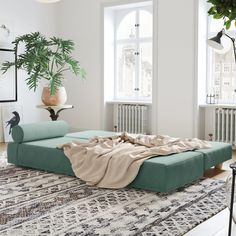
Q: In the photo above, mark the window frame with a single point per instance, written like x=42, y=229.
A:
x=209, y=57
x=120, y=14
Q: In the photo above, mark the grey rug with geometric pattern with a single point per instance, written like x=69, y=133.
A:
x=39, y=203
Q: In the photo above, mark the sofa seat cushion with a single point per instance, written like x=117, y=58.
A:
x=165, y=173
x=44, y=158
x=53, y=142
x=88, y=134
x=42, y=155
x=219, y=153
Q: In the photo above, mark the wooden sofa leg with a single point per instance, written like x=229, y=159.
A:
x=219, y=166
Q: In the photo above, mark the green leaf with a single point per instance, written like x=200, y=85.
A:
x=218, y=16
x=225, y=9
x=212, y=11
x=45, y=59
x=227, y=24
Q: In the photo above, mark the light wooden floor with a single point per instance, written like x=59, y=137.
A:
x=3, y=147
x=224, y=173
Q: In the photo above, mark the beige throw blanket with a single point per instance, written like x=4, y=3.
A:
x=114, y=162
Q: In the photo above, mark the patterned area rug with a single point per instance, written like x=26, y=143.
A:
x=38, y=203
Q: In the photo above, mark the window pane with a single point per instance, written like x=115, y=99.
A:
x=145, y=19
x=222, y=76
x=215, y=25
x=221, y=64
x=126, y=29
x=218, y=25
x=125, y=70
x=145, y=82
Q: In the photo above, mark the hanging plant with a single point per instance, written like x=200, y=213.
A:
x=223, y=9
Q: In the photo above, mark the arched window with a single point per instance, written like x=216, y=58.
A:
x=133, y=53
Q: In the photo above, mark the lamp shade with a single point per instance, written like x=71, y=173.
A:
x=47, y=1
x=215, y=42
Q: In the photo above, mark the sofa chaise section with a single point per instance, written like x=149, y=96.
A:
x=216, y=155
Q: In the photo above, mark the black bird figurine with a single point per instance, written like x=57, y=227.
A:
x=13, y=121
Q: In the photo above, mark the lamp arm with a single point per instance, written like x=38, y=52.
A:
x=233, y=41
x=234, y=50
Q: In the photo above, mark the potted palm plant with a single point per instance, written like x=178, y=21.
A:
x=46, y=59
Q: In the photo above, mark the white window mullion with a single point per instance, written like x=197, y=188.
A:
x=137, y=57
x=115, y=56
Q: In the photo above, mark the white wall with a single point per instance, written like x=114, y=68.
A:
x=175, y=64
x=202, y=65
x=81, y=21
x=176, y=67
x=26, y=16
x=174, y=103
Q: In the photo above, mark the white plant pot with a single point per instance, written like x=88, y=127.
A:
x=58, y=99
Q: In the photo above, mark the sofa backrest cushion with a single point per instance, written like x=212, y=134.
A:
x=41, y=130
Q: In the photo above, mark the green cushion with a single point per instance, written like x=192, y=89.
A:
x=12, y=154
x=44, y=155
x=53, y=142
x=40, y=130
x=88, y=134
x=219, y=153
x=165, y=173
x=44, y=158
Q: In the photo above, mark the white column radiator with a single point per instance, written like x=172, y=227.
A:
x=225, y=124
x=130, y=118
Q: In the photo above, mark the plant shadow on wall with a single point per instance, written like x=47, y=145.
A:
x=46, y=59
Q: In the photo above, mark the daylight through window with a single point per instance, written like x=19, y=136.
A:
x=221, y=65
x=133, y=53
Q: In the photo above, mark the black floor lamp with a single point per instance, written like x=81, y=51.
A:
x=215, y=43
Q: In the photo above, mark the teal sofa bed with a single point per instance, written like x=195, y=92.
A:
x=35, y=146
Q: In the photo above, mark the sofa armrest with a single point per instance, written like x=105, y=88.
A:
x=12, y=153
x=41, y=130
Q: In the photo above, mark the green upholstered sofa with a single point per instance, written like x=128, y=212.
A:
x=35, y=145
